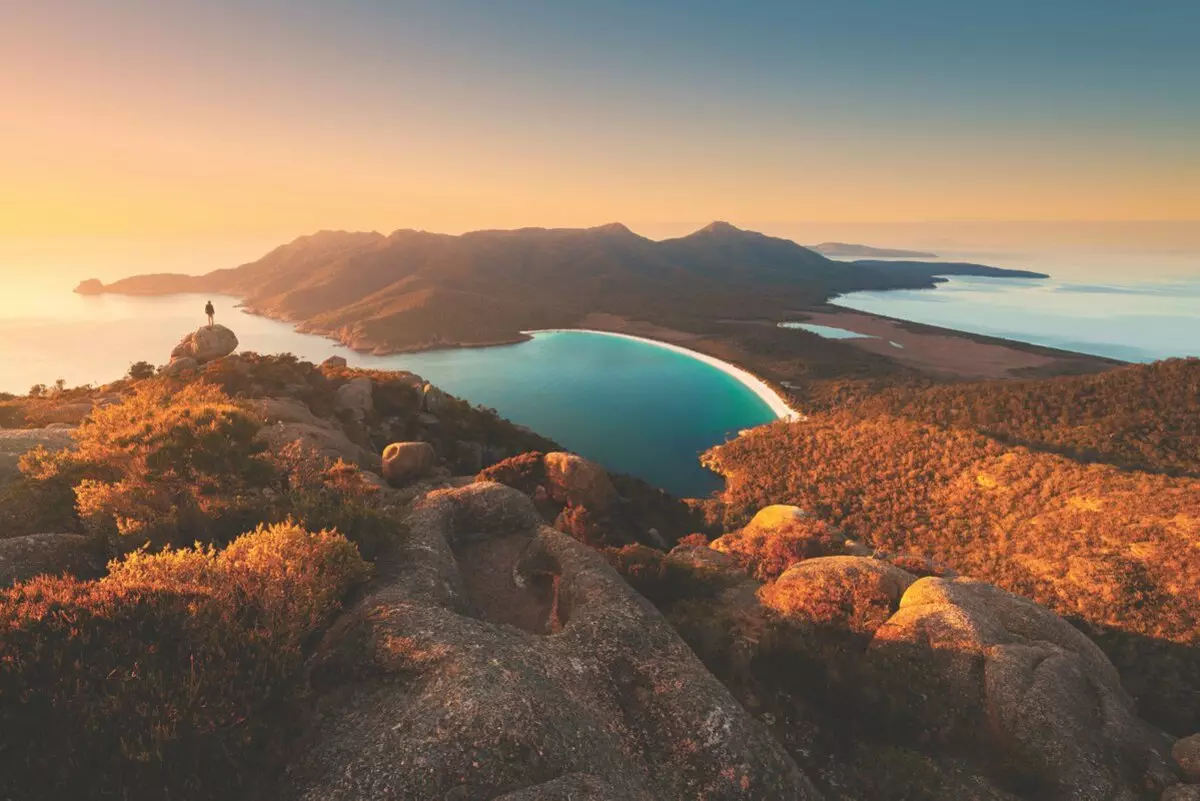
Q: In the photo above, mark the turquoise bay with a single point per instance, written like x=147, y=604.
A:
x=633, y=406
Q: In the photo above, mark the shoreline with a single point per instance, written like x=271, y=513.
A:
x=758, y=386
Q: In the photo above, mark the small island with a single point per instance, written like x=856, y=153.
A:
x=92, y=286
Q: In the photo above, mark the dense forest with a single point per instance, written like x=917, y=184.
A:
x=1111, y=548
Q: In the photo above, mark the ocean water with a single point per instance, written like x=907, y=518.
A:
x=1135, y=308
x=827, y=331
x=632, y=406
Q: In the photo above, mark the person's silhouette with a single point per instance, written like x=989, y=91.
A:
x=211, y=312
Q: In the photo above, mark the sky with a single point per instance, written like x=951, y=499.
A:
x=256, y=121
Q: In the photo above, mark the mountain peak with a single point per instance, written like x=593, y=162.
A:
x=720, y=227
x=612, y=228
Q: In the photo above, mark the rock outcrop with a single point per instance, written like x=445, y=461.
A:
x=206, y=344
x=405, y=462
x=356, y=397
x=855, y=593
x=22, y=558
x=1186, y=753
x=578, y=481
x=975, y=663
x=334, y=362
x=180, y=365
x=498, y=658
x=290, y=420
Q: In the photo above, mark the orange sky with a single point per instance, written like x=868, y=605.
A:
x=130, y=120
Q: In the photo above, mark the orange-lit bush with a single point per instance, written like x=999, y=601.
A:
x=766, y=553
x=162, y=679
x=324, y=494
x=164, y=466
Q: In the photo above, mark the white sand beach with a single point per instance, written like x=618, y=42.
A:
x=755, y=384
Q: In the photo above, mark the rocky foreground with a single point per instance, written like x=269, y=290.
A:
x=536, y=628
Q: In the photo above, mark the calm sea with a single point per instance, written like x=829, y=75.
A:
x=1135, y=307
x=632, y=406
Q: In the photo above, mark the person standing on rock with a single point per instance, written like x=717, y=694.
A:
x=211, y=312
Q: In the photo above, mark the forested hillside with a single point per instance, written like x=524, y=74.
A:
x=1143, y=417
x=1112, y=548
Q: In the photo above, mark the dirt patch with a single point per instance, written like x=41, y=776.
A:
x=487, y=568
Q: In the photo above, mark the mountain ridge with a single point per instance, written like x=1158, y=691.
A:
x=413, y=290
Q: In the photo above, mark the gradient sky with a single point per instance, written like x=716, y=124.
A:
x=264, y=120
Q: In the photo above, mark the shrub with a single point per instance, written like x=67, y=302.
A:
x=525, y=472
x=324, y=494
x=766, y=552
x=165, y=466
x=664, y=581
x=140, y=371
x=164, y=678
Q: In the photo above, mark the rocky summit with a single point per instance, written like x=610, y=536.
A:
x=278, y=580
x=206, y=344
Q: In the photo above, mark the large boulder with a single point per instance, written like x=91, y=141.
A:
x=323, y=438
x=180, y=365
x=22, y=558
x=578, y=481
x=855, y=593
x=498, y=658
x=16, y=442
x=405, y=462
x=432, y=399
x=286, y=410
x=206, y=344
x=334, y=362
x=356, y=396
x=1186, y=753
x=997, y=672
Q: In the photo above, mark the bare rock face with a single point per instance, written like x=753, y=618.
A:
x=856, y=593
x=206, y=344
x=432, y=399
x=1181, y=792
x=1032, y=691
x=324, y=438
x=405, y=462
x=22, y=558
x=578, y=481
x=180, y=365
x=1186, y=753
x=356, y=397
x=500, y=659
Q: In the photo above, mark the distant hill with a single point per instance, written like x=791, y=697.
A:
x=847, y=250
x=414, y=289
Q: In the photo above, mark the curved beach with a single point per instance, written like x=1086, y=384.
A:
x=752, y=382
